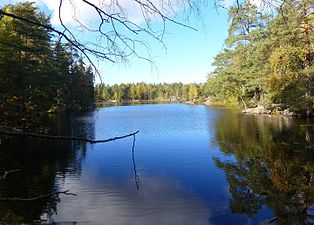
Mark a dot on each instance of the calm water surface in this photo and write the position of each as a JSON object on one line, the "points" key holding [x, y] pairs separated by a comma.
{"points": [[187, 165]]}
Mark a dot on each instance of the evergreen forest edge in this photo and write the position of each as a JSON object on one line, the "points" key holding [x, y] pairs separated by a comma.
{"points": [[267, 60]]}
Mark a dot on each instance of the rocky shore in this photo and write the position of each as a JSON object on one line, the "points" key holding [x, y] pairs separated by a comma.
{"points": [[258, 110]]}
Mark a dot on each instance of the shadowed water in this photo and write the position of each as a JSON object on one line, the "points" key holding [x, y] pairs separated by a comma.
{"points": [[187, 165]]}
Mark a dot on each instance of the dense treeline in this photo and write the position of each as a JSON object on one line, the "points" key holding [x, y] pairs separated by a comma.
{"points": [[38, 72], [155, 92], [268, 59]]}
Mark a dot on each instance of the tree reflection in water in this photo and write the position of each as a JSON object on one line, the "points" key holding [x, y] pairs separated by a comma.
{"points": [[271, 163], [39, 162]]}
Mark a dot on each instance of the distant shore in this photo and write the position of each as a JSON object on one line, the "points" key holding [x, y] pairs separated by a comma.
{"points": [[258, 110]]}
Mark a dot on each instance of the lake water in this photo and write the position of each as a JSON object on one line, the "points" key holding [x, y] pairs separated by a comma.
{"points": [[189, 164]]}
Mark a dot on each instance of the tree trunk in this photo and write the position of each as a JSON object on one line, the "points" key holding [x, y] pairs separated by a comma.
{"points": [[257, 94], [309, 102], [243, 102]]}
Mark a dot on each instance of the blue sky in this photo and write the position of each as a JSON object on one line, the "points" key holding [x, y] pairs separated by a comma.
{"points": [[187, 57]]}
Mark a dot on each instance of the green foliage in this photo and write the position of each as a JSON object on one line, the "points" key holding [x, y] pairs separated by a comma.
{"points": [[246, 23], [37, 73], [155, 92], [269, 59]]}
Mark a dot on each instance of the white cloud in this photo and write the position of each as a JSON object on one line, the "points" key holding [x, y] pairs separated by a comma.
{"points": [[77, 10], [69, 11], [86, 14]]}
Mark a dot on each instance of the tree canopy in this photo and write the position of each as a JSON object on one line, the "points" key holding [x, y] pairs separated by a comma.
{"points": [[38, 73], [153, 92], [116, 35], [268, 59]]}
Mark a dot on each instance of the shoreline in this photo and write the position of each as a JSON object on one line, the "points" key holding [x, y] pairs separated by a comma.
{"points": [[258, 110]]}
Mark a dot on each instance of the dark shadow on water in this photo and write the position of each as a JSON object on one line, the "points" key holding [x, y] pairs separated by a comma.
{"points": [[32, 166], [38, 163]]}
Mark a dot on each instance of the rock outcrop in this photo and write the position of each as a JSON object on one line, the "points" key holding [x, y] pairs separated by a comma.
{"points": [[257, 110]]}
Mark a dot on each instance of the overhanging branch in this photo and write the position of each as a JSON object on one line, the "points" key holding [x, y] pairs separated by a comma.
{"points": [[84, 50], [32, 135]]}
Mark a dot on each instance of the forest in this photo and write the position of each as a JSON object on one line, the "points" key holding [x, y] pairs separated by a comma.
{"points": [[154, 92], [267, 61], [39, 73], [268, 58], [210, 163]]}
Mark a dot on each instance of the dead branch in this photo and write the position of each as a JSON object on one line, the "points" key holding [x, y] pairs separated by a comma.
{"points": [[271, 221], [79, 46], [150, 7], [19, 164], [6, 173], [136, 177], [39, 196], [117, 35], [32, 135]]}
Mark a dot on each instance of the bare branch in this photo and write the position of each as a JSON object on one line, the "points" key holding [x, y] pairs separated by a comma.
{"points": [[149, 6], [116, 36], [39, 196], [19, 164], [6, 173], [32, 135], [74, 43]]}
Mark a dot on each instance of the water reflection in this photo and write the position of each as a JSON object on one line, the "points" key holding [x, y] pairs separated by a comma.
{"points": [[38, 161], [270, 163], [168, 174], [159, 201]]}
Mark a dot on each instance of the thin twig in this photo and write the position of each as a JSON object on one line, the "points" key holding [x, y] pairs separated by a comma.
{"points": [[74, 43], [270, 221], [32, 135], [150, 7], [19, 164], [39, 196], [6, 173]]}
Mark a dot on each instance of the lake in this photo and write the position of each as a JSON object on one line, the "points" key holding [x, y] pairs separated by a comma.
{"points": [[189, 164]]}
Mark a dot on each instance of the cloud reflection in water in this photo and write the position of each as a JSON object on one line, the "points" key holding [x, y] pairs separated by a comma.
{"points": [[157, 202]]}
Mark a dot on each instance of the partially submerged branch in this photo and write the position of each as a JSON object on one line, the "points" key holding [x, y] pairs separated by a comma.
{"points": [[39, 196], [136, 177], [32, 135], [6, 173], [19, 164]]}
